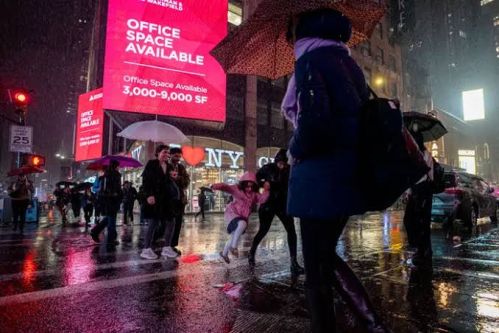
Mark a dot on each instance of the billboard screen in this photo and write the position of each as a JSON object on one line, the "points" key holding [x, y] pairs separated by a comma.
{"points": [[89, 126], [157, 58], [473, 104]]}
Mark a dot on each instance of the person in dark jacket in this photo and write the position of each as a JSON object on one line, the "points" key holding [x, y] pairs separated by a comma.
{"points": [[76, 204], [201, 203], [88, 201], [20, 193], [183, 181], [277, 174], [110, 196], [324, 100], [62, 199], [417, 217], [159, 208], [129, 197]]}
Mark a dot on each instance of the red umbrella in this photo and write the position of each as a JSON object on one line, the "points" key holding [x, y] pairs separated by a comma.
{"points": [[25, 170], [259, 45], [104, 161]]}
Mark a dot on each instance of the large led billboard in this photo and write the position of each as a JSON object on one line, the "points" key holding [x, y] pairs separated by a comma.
{"points": [[473, 104], [157, 58], [89, 126]]}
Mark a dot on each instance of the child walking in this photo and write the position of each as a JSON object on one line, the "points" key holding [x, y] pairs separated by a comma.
{"points": [[236, 215]]}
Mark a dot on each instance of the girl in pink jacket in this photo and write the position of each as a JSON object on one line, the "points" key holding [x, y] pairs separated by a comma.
{"points": [[245, 196]]}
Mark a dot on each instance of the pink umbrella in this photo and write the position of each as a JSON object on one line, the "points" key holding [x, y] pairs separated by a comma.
{"points": [[104, 161]]}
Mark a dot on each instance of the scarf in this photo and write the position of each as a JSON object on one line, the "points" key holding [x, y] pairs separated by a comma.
{"points": [[289, 107]]}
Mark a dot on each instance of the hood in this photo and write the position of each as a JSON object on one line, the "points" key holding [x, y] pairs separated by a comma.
{"points": [[248, 177], [281, 156]]}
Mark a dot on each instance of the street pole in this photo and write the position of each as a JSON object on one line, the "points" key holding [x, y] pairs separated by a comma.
{"points": [[22, 122]]}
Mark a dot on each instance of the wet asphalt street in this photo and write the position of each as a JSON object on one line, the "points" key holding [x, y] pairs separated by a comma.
{"points": [[56, 279]]}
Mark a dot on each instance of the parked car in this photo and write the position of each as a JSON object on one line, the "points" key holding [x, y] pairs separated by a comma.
{"points": [[466, 197]]}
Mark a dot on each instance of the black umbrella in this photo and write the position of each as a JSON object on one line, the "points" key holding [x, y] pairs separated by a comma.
{"points": [[83, 186], [429, 126], [64, 184]]}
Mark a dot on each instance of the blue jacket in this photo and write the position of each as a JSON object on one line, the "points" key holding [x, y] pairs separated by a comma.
{"points": [[331, 90]]}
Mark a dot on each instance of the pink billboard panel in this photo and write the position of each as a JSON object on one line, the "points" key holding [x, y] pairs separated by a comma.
{"points": [[157, 58], [89, 126]]}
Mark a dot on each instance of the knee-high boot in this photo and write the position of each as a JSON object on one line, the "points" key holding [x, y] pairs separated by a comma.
{"points": [[351, 290]]}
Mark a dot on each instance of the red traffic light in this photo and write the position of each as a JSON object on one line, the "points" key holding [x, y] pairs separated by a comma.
{"points": [[20, 97]]}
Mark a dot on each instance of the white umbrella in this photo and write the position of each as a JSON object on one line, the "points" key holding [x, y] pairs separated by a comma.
{"points": [[154, 130]]}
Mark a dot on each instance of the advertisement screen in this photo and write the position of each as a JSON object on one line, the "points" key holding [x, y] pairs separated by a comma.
{"points": [[473, 105], [157, 58], [89, 126]]}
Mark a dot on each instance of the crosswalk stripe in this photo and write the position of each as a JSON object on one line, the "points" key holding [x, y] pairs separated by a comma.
{"points": [[119, 282]]}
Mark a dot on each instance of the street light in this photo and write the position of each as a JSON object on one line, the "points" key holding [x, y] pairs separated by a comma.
{"points": [[379, 81]]}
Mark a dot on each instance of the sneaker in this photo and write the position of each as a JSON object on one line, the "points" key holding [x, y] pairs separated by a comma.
{"points": [[225, 258], [177, 251], [148, 254], [169, 252]]}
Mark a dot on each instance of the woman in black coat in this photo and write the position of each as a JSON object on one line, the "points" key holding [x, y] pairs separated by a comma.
{"points": [[159, 202], [324, 100]]}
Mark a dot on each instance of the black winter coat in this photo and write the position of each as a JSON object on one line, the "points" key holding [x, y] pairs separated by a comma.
{"points": [[158, 184], [278, 180], [110, 192], [331, 90]]}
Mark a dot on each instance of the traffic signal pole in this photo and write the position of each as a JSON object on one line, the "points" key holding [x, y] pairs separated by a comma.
{"points": [[22, 122]]}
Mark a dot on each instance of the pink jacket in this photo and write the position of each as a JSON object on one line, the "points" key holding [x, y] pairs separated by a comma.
{"points": [[242, 204]]}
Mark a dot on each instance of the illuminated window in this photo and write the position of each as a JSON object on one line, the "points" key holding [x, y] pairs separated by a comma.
{"points": [[484, 2], [235, 15]]}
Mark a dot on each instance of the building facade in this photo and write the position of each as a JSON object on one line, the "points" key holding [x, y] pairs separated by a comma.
{"points": [[218, 151]]}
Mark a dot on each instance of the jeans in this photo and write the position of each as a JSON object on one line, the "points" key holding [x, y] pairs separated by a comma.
{"points": [[19, 208], [152, 229], [88, 211], [127, 212], [109, 222]]}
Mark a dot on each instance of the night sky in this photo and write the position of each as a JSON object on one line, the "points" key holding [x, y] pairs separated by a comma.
{"points": [[43, 47]]}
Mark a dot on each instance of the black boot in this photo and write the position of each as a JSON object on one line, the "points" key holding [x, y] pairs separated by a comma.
{"points": [[296, 269], [354, 294], [321, 308], [251, 258]]}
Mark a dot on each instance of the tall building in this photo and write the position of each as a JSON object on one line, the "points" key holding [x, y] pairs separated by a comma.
{"points": [[448, 48]]}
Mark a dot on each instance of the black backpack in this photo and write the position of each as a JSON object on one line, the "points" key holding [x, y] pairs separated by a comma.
{"points": [[438, 183], [391, 161]]}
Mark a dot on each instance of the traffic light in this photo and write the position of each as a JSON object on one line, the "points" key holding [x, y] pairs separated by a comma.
{"points": [[34, 160], [21, 98]]}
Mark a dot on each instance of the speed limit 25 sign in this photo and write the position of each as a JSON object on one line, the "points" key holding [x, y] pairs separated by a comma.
{"points": [[21, 139]]}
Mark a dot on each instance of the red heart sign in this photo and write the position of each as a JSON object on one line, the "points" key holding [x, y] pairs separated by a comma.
{"points": [[193, 155]]}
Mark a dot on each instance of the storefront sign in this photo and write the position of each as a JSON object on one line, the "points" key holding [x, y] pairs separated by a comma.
{"points": [[215, 157], [21, 139], [157, 58], [89, 126]]}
